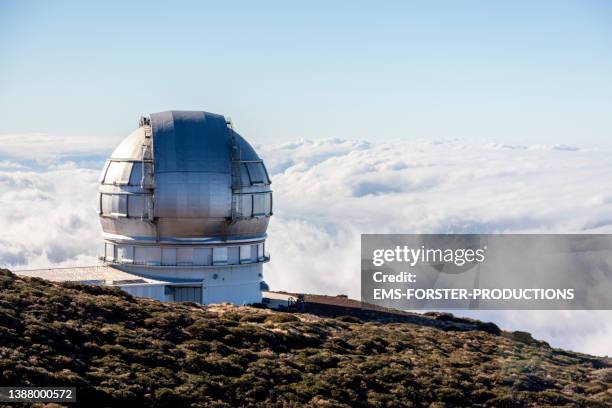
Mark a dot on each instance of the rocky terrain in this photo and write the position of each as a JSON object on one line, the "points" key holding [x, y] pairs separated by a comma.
{"points": [[122, 351]]}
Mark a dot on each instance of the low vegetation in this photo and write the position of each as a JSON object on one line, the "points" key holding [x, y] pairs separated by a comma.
{"points": [[123, 351]]}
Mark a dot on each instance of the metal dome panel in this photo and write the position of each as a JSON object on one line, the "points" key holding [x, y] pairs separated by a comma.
{"points": [[192, 165], [131, 147], [185, 176], [189, 141]]}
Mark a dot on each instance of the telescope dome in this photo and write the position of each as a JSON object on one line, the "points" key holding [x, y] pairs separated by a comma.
{"points": [[184, 190]]}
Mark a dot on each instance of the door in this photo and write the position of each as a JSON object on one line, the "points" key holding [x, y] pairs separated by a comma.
{"points": [[188, 294]]}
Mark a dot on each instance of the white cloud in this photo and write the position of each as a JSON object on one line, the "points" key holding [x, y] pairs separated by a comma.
{"points": [[10, 165], [326, 194], [329, 192], [325, 200], [48, 218], [45, 149]]}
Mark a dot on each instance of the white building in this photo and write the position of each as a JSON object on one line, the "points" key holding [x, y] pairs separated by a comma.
{"points": [[184, 205]]}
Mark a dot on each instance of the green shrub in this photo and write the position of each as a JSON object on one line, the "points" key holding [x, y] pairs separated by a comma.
{"points": [[281, 318], [123, 351]]}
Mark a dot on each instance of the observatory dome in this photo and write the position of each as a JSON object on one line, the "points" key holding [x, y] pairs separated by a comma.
{"points": [[185, 196]]}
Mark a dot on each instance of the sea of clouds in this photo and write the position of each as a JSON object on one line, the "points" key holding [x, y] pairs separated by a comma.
{"points": [[327, 193]]}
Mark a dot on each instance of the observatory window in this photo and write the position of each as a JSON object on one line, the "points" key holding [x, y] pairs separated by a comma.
{"points": [[254, 253], [245, 181], [114, 204], [137, 205], [220, 256], [168, 256], [257, 173], [245, 254], [260, 251], [109, 252], [147, 255], [233, 255], [262, 204], [106, 203], [259, 207], [118, 173], [245, 205], [184, 256], [103, 174], [268, 203], [140, 255], [154, 256], [136, 175], [202, 256], [119, 204], [125, 253]]}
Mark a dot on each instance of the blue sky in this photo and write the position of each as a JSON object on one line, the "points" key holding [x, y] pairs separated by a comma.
{"points": [[514, 72]]}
